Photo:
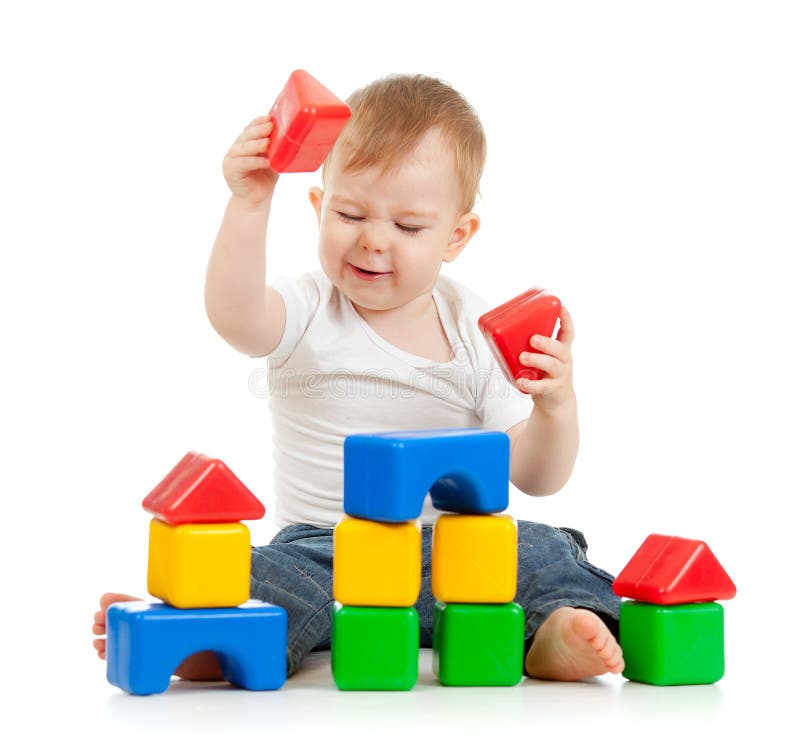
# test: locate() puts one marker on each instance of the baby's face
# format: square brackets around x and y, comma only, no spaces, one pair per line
[401,226]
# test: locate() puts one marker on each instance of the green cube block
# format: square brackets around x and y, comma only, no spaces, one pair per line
[672,645]
[374,648]
[478,643]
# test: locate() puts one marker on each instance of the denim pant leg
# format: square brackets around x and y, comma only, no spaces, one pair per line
[552,572]
[295,571]
[425,601]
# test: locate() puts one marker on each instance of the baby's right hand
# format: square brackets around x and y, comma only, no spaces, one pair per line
[246,167]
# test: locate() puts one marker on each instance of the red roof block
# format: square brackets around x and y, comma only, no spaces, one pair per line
[201,489]
[668,570]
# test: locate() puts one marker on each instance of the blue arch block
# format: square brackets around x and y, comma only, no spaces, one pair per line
[146,642]
[388,475]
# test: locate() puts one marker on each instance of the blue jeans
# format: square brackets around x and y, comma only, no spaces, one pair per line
[295,571]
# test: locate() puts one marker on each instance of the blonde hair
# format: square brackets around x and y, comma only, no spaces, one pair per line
[390,116]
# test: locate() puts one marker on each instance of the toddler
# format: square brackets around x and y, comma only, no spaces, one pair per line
[379,340]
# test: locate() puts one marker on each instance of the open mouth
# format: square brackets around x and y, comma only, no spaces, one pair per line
[366,274]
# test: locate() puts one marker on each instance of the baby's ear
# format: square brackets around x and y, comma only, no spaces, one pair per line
[315,198]
[465,229]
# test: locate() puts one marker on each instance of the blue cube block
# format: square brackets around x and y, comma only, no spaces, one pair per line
[388,475]
[146,642]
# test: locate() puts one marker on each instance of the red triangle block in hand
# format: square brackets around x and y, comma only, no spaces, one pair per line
[509,327]
[307,119]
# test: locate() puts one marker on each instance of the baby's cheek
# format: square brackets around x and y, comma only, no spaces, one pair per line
[338,235]
[329,239]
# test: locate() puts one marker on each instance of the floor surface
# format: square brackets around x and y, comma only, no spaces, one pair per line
[309,701]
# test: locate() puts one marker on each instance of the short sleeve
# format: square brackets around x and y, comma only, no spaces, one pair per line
[301,296]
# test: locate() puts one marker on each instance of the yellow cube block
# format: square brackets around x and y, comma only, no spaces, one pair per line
[199,565]
[376,564]
[474,558]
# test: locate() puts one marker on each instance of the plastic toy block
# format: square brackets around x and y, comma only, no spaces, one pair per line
[388,475]
[307,119]
[199,565]
[509,327]
[374,648]
[478,644]
[146,642]
[672,645]
[669,570]
[474,559]
[200,489]
[375,563]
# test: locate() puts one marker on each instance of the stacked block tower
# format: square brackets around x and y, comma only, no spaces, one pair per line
[199,566]
[478,632]
[671,632]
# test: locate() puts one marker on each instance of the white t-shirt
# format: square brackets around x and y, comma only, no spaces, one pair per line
[332,376]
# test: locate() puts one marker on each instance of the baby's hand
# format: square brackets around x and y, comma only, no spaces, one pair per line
[246,167]
[555,388]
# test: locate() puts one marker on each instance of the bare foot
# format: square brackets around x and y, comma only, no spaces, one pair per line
[199,666]
[99,626]
[573,644]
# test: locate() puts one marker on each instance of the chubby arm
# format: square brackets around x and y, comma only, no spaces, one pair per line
[544,448]
[245,311]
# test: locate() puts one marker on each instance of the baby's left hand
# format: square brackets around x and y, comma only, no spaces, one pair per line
[555,388]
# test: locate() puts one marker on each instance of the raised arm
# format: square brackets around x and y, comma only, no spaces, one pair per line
[243,310]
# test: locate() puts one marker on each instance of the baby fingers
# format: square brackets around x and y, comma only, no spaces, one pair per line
[544,362]
[550,346]
[255,131]
[248,148]
[257,120]
[535,387]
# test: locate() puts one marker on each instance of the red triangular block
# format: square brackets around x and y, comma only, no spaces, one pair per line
[668,570]
[201,489]
[307,119]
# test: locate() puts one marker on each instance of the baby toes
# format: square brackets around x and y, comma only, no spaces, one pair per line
[100,646]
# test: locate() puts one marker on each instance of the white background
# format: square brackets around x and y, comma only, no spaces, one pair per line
[643,165]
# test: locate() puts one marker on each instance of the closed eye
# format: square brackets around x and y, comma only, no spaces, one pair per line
[409,229]
[348,218]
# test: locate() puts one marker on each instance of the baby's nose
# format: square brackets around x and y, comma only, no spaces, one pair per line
[369,245]
[371,239]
